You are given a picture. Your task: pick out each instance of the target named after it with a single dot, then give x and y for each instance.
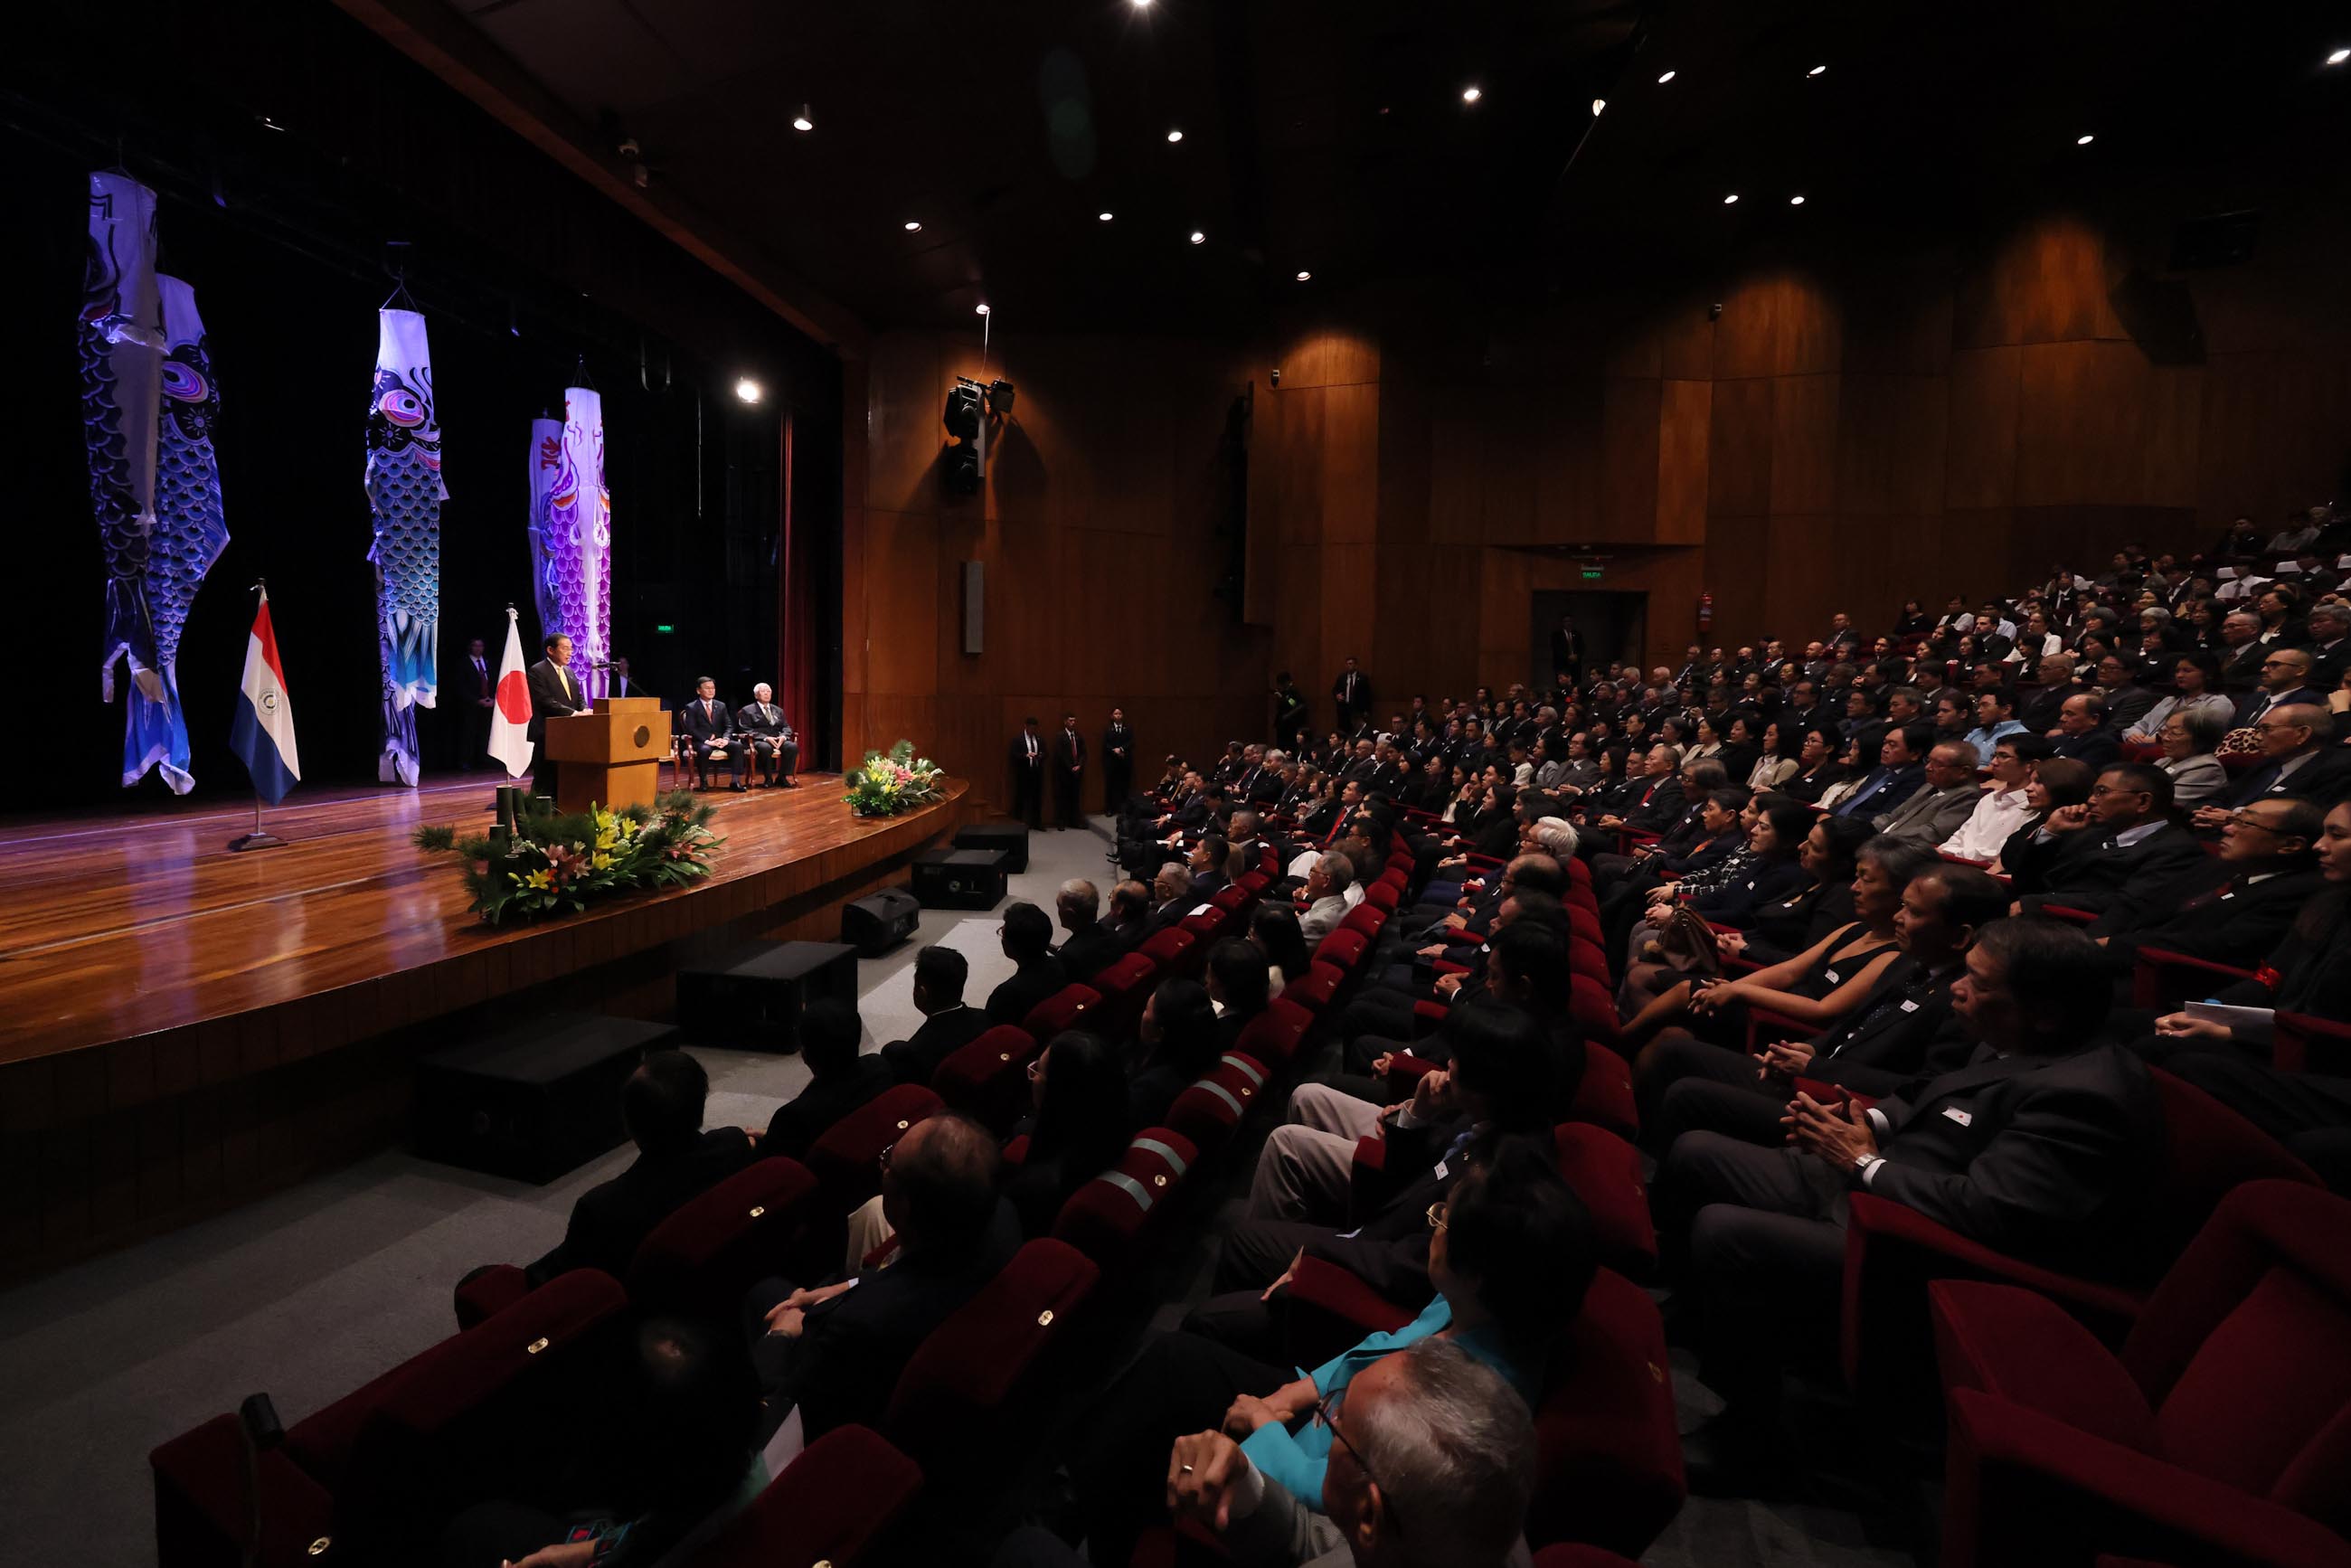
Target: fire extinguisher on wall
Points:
(1705, 614)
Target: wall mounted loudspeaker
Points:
(973, 600)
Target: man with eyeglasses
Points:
(2233, 908)
(2286, 679)
(2083, 856)
(2299, 757)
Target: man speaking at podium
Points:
(554, 691)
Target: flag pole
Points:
(259, 838)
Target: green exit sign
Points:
(1591, 574)
(664, 628)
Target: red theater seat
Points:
(1343, 949)
(1208, 1112)
(1112, 1219)
(1605, 1172)
(2220, 1431)
(1603, 1098)
(848, 1159)
(1065, 1009)
(1313, 989)
(1124, 987)
(1274, 1036)
(1171, 950)
(989, 1079)
(829, 1505)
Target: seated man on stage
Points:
(761, 730)
(708, 724)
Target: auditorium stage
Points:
(181, 1026)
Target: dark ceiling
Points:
(1333, 138)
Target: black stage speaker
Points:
(535, 1100)
(751, 997)
(874, 926)
(959, 878)
(1012, 838)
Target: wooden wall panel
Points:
(1739, 452)
(1986, 387)
(1628, 457)
(1684, 433)
(1804, 442)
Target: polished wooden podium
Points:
(610, 756)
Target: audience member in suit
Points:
(1325, 896)
(1945, 799)
(1170, 894)
(554, 691)
(1029, 758)
(477, 694)
(1069, 774)
(2057, 677)
(764, 732)
(2299, 757)
(1210, 861)
(2084, 856)
(834, 1353)
(1900, 770)
(2284, 682)
(1350, 695)
(1130, 913)
(2233, 908)
(1117, 762)
(2082, 732)
(2190, 740)
(949, 1023)
(839, 1080)
(2126, 700)
(1028, 941)
(662, 1105)
(1239, 988)
(2241, 650)
(1077, 1126)
(1179, 1044)
(2041, 1147)
(2330, 645)
(2053, 783)
(707, 723)
(1091, 942)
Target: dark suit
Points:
(707, 725)
(1117, 767)
(914, 1059)
(1090, 949)
(2220, 911)
(2240, 669)
(2091, 866)
(1351, 694)
(554, 691)
(1882, 790)
(767, 733)
(2099, 748)
(611, 1219)
(1010, 1002)
(1028, 756)
(1069, 774)
(2325, 780)
(477, 683)
(2255, 703)
(801, 1121)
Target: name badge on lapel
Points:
(1964, 1118)
(1909, 1007)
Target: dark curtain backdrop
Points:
(523, 274)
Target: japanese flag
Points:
(510, 718)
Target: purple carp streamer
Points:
(122, 353)
(571, 532)
(191, 530)
(405, 493)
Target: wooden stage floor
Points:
(136, 925)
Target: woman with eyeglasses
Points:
(1511, 1253)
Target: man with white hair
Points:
(771, 738)
(1325, 895)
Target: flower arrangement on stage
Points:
(556, 862)
(898, 782)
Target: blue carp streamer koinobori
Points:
(405, 493)
(121, 349)
(191, 530)
(571, 531)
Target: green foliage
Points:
(555, 863)
(900, 781)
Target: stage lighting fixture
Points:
(1816, 70)
(913, 227)
(1304, 276)
(979, 309)
(1665, 79)
(1472, 94)
(2338, 57)
(962, 415)
(1198, 236)
(1175, 136)
(1796, 201)
(1727, 199)
(1597, 105)
(801, 122)
(1103, 218)
(749, 391)
(2084, 139)
(1001, 393)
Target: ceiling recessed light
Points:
(2338, 57)
(1598, 104)
(1305, 275)
(749, 391)
(1140, 4)
(1816, 70)
(1175, 136)
(1103, 218)
(1198, 236)
(913, 227)
(1472, 94)
(2084, 139)
(1796, 201)
(1730, 198)
(980, 310)
(1665, 79)
(802, 120)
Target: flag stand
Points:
(259, 838)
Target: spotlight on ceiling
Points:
(1103, 218)
(913, 227)
(2084, 139)
(1472, 94)
(749, 391)
(1730, 198)
(1598, 104)
(1304, 276)
(1816, 70)
(1665, 79)
(980, 310)
(1140, 4)
(1198, 236)
(803, 121)
(1174, 135)
(2338, 57)
(1796, 201)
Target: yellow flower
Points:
(536, 879)
(600, 861)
